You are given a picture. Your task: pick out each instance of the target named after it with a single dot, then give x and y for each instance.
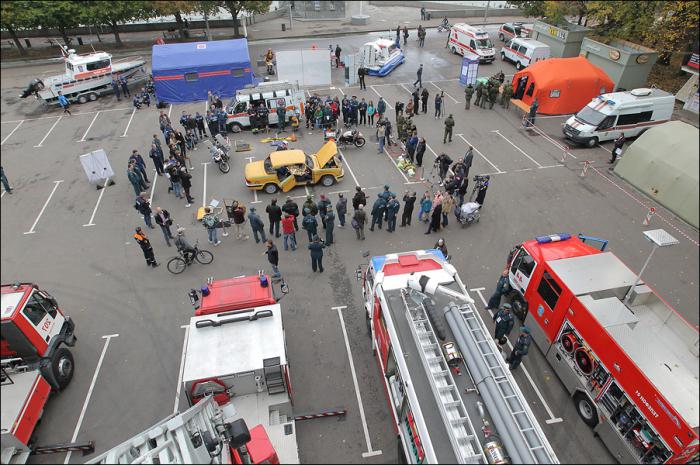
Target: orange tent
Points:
(561, 85)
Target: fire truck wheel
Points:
(62, 368)
(586, 409)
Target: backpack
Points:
(209, 221)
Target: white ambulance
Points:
(609, 115)
(524, 51)
(269, 94)
(466, 38)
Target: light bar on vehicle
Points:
(552, 238)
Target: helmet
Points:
(441, 241)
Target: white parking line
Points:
(552, 419)
(170, 110)
(411, 83)
(50, 130)
(349, 168)
(404, 88)
(206, 106)
(388, 105)
(182, 367)
(204, 185)
(13, 131)
(99, 199)
(397, 168)
(549, 139)
(480, 154)
(369, 452)
(153, 186)
(74, 114)
(31, 230)
(338, 88)
(89, 393)
(88, 129)
(516, 147)
(129, 123)
(453, 99)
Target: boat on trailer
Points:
(86, 77)
(381, 56)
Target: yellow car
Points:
(285, 169)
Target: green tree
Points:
(529, 7)
(207, 8)
(61, 15)
(15, 16)
(675, 30)
(176, 8)
(629, 20)
(236, 6)
(118, 12)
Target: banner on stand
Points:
(470, 68)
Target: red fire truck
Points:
(441, 369)
(235, 373)
(34, 362)
(627, 358)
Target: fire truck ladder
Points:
(514, 400)
(446, 392)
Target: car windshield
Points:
(590, 116)
(484, 43)
(309, 162)
(268, 165)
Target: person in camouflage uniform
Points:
(507, 94)
(485, 94)
(493, 93)
(468, 92)
(479, 91)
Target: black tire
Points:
(586, 409)
(204, 257)
(270, 188)
(235, 127)
(360, 142)
(501, 37)
(519, 307)
(224, 167)
(592, 142)
(327, 180)
(176, 265)
(62, 368)
(92, 96)
(503, 56)
(518, 66)
(453, 50)
(82, 99)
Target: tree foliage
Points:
(530, 8)
(15, 16)
(236, 6)
(118, 12)
(61, 15)
(177, 9)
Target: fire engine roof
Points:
(592, 273)
(569, 248)
(15, 396)
(235, 294)
(10, 301)
(236, 347)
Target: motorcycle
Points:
(444, 27)
(218, 156)
(352, 137)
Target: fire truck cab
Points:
(34, 362)
(630, 362)
(432, 350)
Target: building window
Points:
(191, 77)
(331, 6)
(317, 6)
(554, 93)
(237, 72)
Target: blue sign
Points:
(470, 67)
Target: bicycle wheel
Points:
(176, 265)
(204, 257)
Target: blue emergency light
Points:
(552, 238)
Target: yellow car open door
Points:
(326, 153)
(288, 183)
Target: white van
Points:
(244, 103)
(466, 38)
(609, 115)
(523, 51)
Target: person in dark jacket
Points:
(274, 215)
(420, 151)
(359, 219)
(186, 182)
(309, 224)
(144, 207)
(501, 289)
(291, 208)
(309, 205)
(409, 201)
(520, 348)
(617, 148)
(337, 55)
(378, 211)
(392, 209)
(143, 242)
(273, 257)
(341, 206)
(416, 97)
(323, 206)
(257, 225)
(156, 154)
(424, 101)
(435, 219)
(468, 160)
(411, 146)
(316, 250)
(504, 322)
(329, 224)
(164, 221)
(360, 198)
(444, 162)
(137, 159)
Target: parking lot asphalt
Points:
(75, 242)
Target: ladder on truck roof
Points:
(179, 438)
(446, 392)
(515, 401)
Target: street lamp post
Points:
(659, 238)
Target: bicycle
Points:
(177, 265)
